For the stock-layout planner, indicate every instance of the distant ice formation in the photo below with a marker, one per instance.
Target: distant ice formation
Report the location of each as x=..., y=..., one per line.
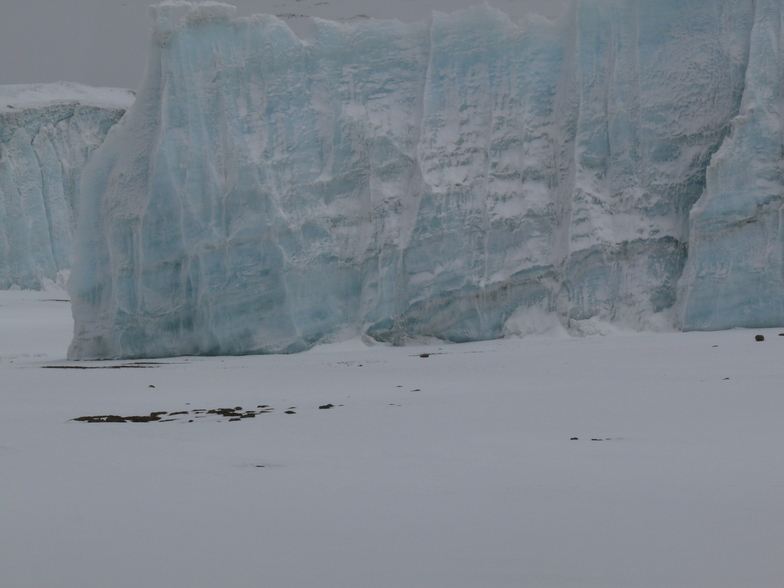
x=47, y=132
x=463, y=178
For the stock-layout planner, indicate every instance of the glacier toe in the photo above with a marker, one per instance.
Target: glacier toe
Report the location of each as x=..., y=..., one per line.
x=462, y=178
x=47, y=132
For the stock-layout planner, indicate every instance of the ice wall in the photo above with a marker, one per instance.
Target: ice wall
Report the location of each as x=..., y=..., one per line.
x=47, y=133
x=735, y=273
x=463, y=178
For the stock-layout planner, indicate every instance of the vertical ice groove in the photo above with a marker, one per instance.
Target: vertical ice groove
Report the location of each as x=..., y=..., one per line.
x=463, y=178
x=48, y=246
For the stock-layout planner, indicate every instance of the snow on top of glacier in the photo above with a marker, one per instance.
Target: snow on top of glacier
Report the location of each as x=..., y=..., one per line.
x=19, y=96
x=174, y=13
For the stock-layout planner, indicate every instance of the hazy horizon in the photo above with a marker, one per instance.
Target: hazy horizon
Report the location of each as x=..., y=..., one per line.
x=105, y=42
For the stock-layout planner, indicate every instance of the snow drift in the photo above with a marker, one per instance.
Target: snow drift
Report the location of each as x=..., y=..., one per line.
x=47, y=132
x=463, y=178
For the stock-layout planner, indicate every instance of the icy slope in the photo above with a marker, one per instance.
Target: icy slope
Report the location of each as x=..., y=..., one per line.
x=47, y=132
x=461, y=178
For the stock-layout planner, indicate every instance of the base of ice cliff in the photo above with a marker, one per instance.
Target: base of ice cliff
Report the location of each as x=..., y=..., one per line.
x=47, y=133
x=463, y=178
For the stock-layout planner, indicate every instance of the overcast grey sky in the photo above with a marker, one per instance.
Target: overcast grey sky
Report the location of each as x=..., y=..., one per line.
x=104, y=42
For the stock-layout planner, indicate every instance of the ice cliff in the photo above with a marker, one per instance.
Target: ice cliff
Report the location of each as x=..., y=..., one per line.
x=735, y=273
x=462, y=178
x=47, y=132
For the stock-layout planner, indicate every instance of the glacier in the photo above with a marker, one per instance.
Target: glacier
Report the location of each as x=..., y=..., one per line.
x=47, y=133
x=463, y=178
x=735, y=272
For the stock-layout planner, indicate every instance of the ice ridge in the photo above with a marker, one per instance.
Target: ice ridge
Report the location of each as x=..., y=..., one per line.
x=463, y=178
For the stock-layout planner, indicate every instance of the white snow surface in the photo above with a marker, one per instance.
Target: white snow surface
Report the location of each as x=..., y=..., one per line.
x=47, y=133
x=455, y=470
x=461, y=178
x=21, y=96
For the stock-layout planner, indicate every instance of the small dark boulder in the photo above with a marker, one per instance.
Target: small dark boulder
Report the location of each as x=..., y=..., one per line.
x=326, y=406
x=759, y=338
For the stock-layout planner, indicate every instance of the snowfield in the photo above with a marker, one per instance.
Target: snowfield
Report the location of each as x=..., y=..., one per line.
x=453, y=470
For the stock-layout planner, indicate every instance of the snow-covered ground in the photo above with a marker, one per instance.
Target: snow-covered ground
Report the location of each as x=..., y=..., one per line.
x=452, y=470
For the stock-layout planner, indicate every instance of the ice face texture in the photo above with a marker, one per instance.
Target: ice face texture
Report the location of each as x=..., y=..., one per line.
x=47, y=132
x=463, y=178
x=735, y=273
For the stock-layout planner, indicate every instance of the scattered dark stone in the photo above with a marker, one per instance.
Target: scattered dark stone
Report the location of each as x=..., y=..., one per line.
x=226, y=412
x=715, y=345
x=416, y=390
x=108, y=418
x=781, y=334
x=142, y=419
x=726, y=378
x=574, y=439
x=424, y=355
x=759, y=338
x=326, y=406
x=259, y=466
x=231, y=414
x=151, y=386
x=597, y=439
x=139, y=364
